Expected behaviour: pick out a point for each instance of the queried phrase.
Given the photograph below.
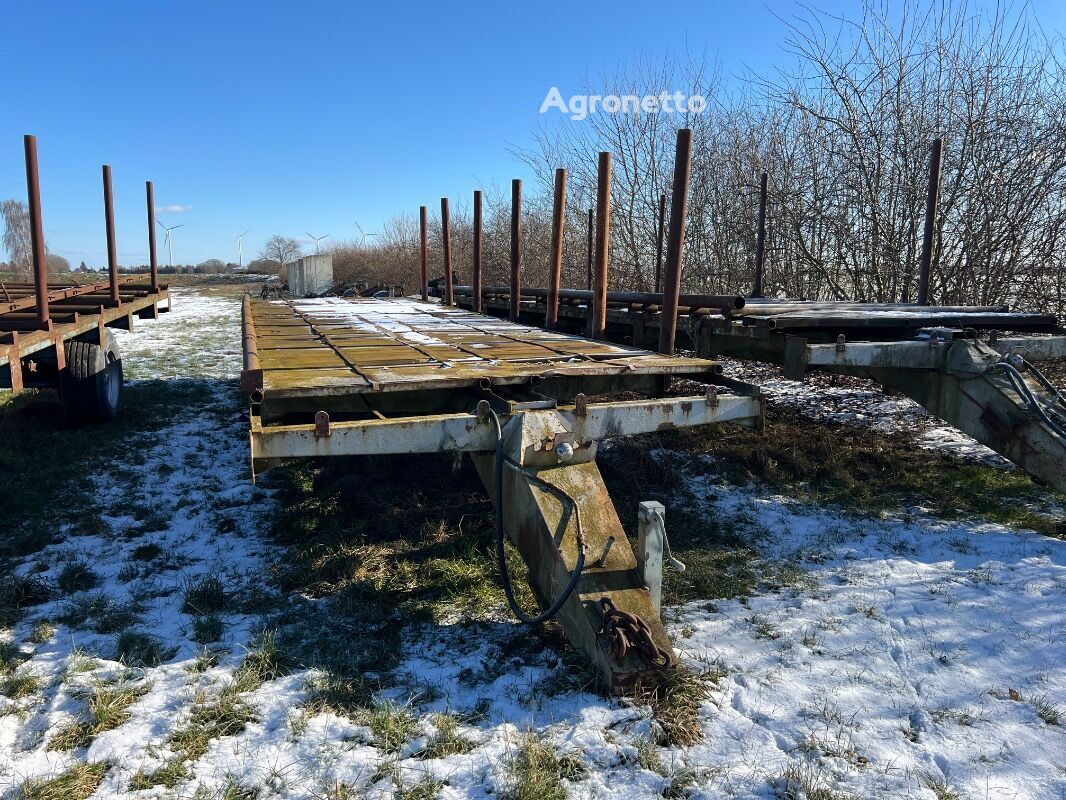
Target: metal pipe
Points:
(931, 198)
(38, 252)
(446, 236)
(252, 376)
(676, 242)
(555, 267)
(760, 239)
(603, 246)
(516, 247)
(153, 266)
(592, 222)
(726, 302)
(424, 242)
(112, 247)
(659, 244)
(476, 283)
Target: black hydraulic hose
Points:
(501, 554)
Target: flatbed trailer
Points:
(972, 366)
(73, 352)
(338, 376)
(57, 334)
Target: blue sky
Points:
(292, 118)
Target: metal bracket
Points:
(321, 425)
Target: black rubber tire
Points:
(91, 385)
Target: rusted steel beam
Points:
(676, 241)
(153, 266)
(40, 259)
(109, 223)
(516, 247)
(252, 375)
(760, 238)
(555, 266)
(476, 283)
(731, 302)
(590, 243)
(446, 241)
(424, 245)
(603, 246)
(932, 195)
(659, 244)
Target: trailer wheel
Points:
(91, 385)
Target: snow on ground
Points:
(858, 401)
(912, 658)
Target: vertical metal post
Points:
(446, 236)
(40, 259)
(516, 248)
(555, 267)
(650, 515)
(659, 244)
(603, 246)
(760, 239)
(676, 241)
(424, 244)
(475, 283)
(112, 247)
(931, 200)
(153, 267)
(591, 240)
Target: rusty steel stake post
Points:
(516, 248)
(152, 264)
(112, 247)
(589, 245)
(931, 200)
(476, 282)
(40, 260)
(603, 246)
(676, 243)
(760, 238)
(555, 271)
(425, 252)
(446, 237)
(659, 244)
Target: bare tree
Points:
(17, 234)
(281, 250)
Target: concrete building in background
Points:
(310, 275)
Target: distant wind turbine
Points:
(364, 233)
(317, 240)
(240, 252)
(170, 240)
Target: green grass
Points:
(675, 700)
(205, 595)
(859, 468)
(447, 741)
(44, 461)
(108, 709)
(76, 576)
(77, 783)
(141, 649)
(21, 685)
(537, 773)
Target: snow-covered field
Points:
(912, 657)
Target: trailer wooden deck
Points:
(355, 354)
(75, 311)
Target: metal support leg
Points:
(650, 549)
(543, 525)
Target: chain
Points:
(626, 631)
